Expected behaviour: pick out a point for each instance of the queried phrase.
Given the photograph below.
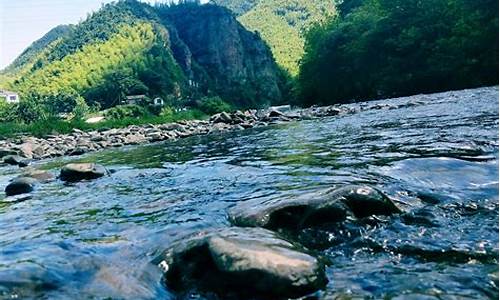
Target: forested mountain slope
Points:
(389, 48)
(129, 47)
(282, 24)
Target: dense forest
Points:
(386, 48)
(283, 24)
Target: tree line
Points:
(386, 48)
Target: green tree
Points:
(386, 48)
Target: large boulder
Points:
(241, 261)
(82, 171)
(20, 185)
(313, 209)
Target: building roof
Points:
(7, 93)
(133, 97)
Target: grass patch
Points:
(56, 126)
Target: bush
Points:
(126, 111)
(214, 105)
(167, 111)
(32, 111)
(81, 109)
(7, 112)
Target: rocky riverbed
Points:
(393, 199)
(20, 150)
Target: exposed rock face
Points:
(242, 261)
(229, 58)
(20, 185)
(82, 171)
(314, 209)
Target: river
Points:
(437, 160)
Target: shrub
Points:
(126, 111)
(7, 112)
(81, 109)
(213, 105)
(32, 111)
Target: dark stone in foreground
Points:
(82, 171)
(242, 261)
(313, 209)
(20, 185)
(5, 152)
(16, 160)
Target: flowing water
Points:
(438, 160)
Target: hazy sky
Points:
(24, 21)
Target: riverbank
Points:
(111, 237)
(79, 142)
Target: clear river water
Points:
(438, 160)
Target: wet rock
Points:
(5, 152)
(222, 117)
(244, 261)
(314, 209)
(82, 171)
(16, 160)
(20, 185)
(77, 151)
(275, 114)
(40, 175)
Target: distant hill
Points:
(282, 24)
(30, 53)
(172, 51)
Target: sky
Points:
(24, 21)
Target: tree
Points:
(386, 48)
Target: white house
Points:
(10, 97)
(158, 102)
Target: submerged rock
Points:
(314, 209)
(16, 160)
(242, 261)
(20, 185)
(82, 171)
(42, 176)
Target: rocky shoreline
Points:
(21, 150)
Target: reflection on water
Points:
(439, 161)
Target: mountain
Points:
(38, 46)
(177, 52)
(282, 24)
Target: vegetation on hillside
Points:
(385, 48)
(127, 48)
(239, 7)
(282, 24)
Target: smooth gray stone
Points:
(82, 171)
(241, 261)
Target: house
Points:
(158, 102)
(135, 99)
(10, 97)
(143, 100)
